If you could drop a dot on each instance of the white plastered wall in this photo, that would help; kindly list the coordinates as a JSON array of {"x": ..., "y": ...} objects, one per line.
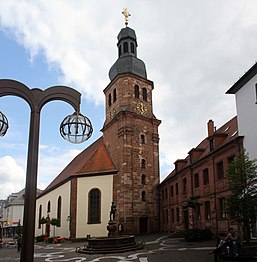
[
  {"x": 85, "y": 184},
  {"x": 64, "y": 192}
]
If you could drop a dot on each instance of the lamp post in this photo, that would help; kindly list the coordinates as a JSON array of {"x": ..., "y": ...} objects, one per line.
[{"x": 77, "y": 131}]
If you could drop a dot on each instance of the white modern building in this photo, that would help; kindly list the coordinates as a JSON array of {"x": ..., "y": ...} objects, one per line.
[{"x": 245, "y": 90}]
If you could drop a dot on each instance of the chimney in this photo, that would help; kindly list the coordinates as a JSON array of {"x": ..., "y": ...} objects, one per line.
[{"x": 210, "y": 126}]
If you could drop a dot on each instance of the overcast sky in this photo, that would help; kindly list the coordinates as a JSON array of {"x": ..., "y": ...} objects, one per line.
[{"x": 194, "y": 50}]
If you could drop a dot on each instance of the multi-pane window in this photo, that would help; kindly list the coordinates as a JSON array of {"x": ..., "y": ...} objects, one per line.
[
  {"x": 136, "y": 91},
  {"x": 212, "y": 146},
  {"x": 172, "y": 215},
  {"x": 220, "y": 170},
  {"x": 172, "y": 191},
  {"x": 167, "y": 215},
  {"x": 184, "y": 184},
  {"x": 94, "y": 208},
  {"x": 207, "y": 210},
  {"x": 206, "y": 176},
  {"x": 176, "y": 188},
  {"x": 222, "y": 207},
  {"x": 177, "y": 214},
  {"x": 198, "y": 212},
  {"x": 196, "y": 180},
  {"x": 166, "y": 193}
]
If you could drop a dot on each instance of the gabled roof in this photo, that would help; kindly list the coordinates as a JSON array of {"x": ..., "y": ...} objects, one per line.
[
  {"x": 243, "y": 80},
  {"x": 229, "y": 131},
  {"x": 94, "y": 160}
]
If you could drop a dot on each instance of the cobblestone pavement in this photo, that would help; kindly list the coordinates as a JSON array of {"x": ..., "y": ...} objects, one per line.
[{"x": 157, "y": 248}]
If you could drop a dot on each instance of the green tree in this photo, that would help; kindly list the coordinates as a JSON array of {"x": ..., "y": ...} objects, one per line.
[
  {"x": 241, "y": 205},
  {"x": 42, "y": 221},
  {"x": 55, "y": 222},
  {"x": 193, "y": 203}
]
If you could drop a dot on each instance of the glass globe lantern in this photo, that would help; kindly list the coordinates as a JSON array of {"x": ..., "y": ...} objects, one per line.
[
  {"x": 76, "y": 128},
  {"x": 3, "y": 124}
]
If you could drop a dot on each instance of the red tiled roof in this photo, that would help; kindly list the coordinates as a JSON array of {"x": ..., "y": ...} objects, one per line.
[
  {"x": 229, "y": 131},
  {"x": 94, "y": 160}
]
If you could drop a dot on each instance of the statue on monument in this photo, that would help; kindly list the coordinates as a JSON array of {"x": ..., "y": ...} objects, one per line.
[{"x": 113, "y": 211}]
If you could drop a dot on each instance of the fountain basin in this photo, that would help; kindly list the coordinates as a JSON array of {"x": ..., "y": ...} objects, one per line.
[{"x": 103, "y": 245}]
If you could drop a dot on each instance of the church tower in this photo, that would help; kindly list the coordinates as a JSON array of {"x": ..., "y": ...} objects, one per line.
[{"x": 130, "y": 133}]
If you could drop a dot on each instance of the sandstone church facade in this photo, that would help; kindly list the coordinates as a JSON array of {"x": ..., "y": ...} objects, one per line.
[{"x": 121, "y": 166}]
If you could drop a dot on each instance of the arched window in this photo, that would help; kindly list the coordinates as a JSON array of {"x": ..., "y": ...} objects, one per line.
[
  {"x": 143, "y": 179},
  {"x": 142, "y": 139},
  {"x": 119, "y": 50},
  {"x": 94, "y": 206},
  {"x": 114, "y": 95},
  {"x": 132, "y": 48},
  {"x": 59, "y": 209},
  {"x": 39, "y": 215},
  {"x": 125, "y": 47},
  {"x": 48, "y": 207},
  {"x": 143, "y": 163},
  {"x": 143, "y": 196},
  {"x": 145, "y": 94},
  {"x": 136, "y": 91},
  {"x": 110, "y": 99}
]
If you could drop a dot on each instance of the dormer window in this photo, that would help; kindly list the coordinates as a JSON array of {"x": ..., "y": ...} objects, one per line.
[{"x": 212, "y": 144}]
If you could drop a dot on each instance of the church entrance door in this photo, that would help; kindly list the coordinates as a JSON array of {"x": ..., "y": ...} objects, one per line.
[{"x": 143, "y": 225}]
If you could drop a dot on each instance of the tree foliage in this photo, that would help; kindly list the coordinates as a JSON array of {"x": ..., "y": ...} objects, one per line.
[
  {"x": 241, "y": 205},
  {"x": 55, "y": 222}
]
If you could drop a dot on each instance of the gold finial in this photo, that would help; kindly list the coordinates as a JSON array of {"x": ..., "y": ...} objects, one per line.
[{"x": 126, "y": 14}]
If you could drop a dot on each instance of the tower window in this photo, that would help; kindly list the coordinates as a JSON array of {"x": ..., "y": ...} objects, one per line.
[
  {"x": 119, "y": 50},
  {"x": 143, "y": 163},
  {"x": 132, "y": 48},
  {"x": 110, "y": 99},
  {"x": 143, "y": 179},
  {"x": 125, "y": 47},
  {"x": 142, "y": 139},
  {"x": 144, "y": 196},
  {"x": 114, "y": 95},
  {"x": 94, "y": 208},
  {"x": 136, "y": 91},
  {"x": 144, "y": 94}
]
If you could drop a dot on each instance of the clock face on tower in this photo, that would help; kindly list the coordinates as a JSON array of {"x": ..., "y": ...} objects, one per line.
[{"x": 141, "y": 108}]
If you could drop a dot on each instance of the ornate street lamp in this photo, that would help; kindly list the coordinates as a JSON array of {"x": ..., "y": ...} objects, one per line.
[
  {"x": 76, "y": 131},
  {"x": 3, "y": 124}
]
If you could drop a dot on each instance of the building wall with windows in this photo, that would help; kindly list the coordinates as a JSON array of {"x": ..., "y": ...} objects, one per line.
[
  {"x": 202, "y": 173},
  {"x": 94, "y": 205}
]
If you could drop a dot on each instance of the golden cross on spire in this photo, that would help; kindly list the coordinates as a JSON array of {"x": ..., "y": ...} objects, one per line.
[{"x": 126, "y": 14}]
